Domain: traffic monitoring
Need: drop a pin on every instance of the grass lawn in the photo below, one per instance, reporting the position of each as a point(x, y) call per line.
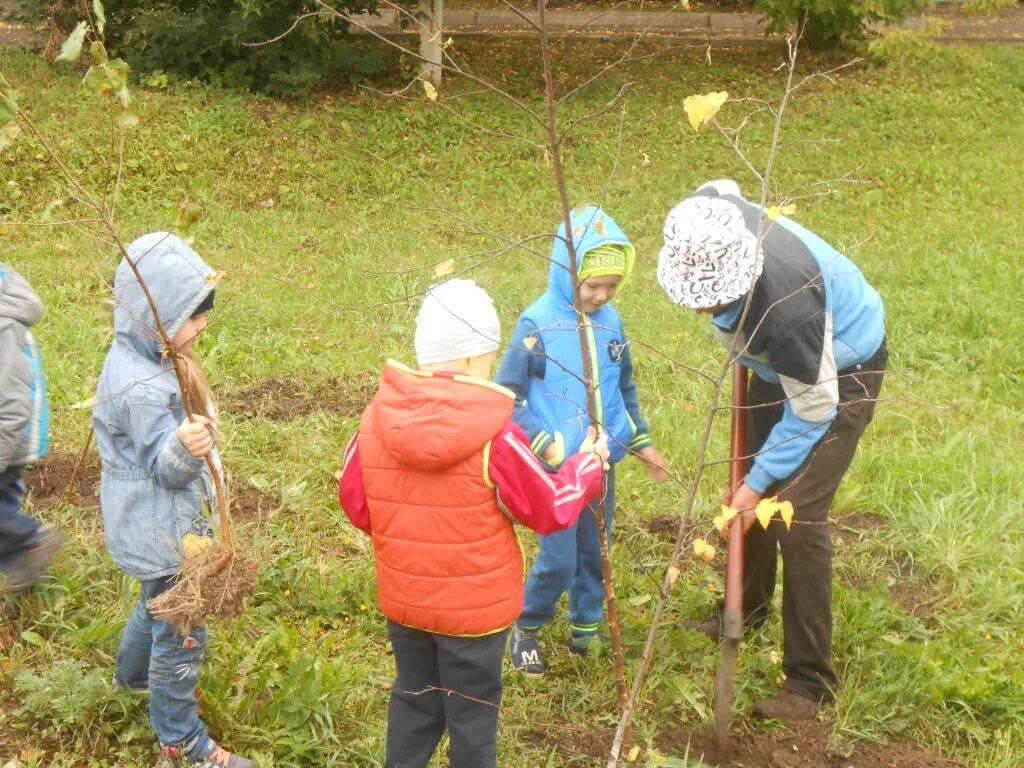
point(326, 216)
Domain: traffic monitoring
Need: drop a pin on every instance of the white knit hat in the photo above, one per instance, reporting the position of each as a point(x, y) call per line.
point(709, 257)
point(457, 320)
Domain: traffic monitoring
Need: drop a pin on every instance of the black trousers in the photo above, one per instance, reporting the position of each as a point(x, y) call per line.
point(444, 682)
point(807, 547)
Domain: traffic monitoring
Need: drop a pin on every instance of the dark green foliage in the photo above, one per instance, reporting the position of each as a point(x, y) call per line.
point(213, 41)
point(831, 22)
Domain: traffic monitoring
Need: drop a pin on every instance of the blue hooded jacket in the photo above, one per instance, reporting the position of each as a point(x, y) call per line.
point(150, 485)
point(543, 364)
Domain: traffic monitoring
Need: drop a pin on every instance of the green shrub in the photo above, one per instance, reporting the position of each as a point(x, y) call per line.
point(216, 41)
point(830, 22)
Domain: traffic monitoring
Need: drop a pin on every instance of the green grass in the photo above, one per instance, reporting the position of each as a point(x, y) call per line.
point(369, 191)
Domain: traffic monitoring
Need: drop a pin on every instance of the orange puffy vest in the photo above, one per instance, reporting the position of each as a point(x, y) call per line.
point(448, 559)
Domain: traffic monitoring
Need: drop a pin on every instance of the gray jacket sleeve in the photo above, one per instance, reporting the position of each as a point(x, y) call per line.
point(15, 382)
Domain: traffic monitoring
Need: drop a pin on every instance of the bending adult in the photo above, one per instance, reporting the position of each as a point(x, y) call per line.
point(814, 339)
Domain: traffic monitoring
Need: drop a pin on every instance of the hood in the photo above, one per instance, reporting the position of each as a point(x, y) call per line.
point(591, 227)
point(18, 302)
point(431, 421)
point(177, 278)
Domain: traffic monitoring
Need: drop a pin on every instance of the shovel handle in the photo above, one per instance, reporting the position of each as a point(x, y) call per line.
point(737, 471)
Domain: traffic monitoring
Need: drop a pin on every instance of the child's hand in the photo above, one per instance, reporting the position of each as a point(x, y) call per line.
point(656, 465)
point(596, 444)
point(196, 436)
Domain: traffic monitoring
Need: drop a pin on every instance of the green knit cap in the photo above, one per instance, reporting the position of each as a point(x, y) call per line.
point(603, 261)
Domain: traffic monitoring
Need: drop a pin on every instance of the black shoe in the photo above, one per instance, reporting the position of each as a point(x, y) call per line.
point(786, 705)
point(525, 652)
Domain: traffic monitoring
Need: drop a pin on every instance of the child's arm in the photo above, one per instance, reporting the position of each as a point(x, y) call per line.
point(15, 408)
point(642, 445)
point(351, 493)
point(539, 499)
point(524, 360)
point(153, 431)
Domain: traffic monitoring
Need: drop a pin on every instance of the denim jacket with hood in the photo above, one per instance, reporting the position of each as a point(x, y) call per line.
point(543, 363)
point(24, 412)
point(151, 486)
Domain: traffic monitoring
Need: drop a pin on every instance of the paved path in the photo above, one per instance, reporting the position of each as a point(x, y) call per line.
point(1007, 27)
point(697, 26)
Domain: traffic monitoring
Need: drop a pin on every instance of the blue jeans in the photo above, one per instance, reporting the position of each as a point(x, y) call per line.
point(570, 560)
point(153, 655)
point(17, 531)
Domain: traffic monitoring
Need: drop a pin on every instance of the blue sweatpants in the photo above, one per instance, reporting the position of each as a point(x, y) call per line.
point(570, 560)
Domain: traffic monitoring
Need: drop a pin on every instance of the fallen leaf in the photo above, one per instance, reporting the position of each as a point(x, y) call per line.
point(444, 268)
point(634, 753)
point(430, 90)
point(673, 574)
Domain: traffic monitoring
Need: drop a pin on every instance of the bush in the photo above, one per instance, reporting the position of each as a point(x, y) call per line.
point(831, 22)
point(213, 41)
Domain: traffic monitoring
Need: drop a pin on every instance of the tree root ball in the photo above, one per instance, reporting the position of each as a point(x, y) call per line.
point(212, 583)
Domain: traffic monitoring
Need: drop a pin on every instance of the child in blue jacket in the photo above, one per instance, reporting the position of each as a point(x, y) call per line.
point(543, 366)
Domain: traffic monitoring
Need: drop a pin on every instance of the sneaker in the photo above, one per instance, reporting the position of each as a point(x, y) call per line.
point(174, 757)
point(525, 651)
point(786, 705)
point(580, 645)
point(28, 567)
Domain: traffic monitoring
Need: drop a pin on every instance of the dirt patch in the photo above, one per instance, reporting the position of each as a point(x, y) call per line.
point(907, 591)
point(284, 399)
point(248, 503)
point(47, 481)
point(800, 745)
point(663, 526)
point(856, 522)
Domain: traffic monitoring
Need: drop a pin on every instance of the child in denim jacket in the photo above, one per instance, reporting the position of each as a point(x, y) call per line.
point(153, 479)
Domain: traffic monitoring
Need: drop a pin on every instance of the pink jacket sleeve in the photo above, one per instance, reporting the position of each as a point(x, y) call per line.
point(351, 494)
point(527, 492)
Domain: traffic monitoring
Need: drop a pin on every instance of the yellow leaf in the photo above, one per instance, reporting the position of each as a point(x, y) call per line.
point(530, 342)
point(634, 753)
point(719, 522)
point(444, 268)
point(728, 513)
point(789, 210)
point(703, 550)
point(786, 513)
point(765, 511)
point(673, 574)
point(709, 553)
point(430, 90)
point(773, 212)
point(701, 109)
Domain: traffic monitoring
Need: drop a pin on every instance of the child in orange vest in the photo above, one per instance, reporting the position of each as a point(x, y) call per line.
point(437, 474)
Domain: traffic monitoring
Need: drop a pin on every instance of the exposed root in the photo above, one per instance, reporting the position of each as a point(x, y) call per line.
point(214, 583)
